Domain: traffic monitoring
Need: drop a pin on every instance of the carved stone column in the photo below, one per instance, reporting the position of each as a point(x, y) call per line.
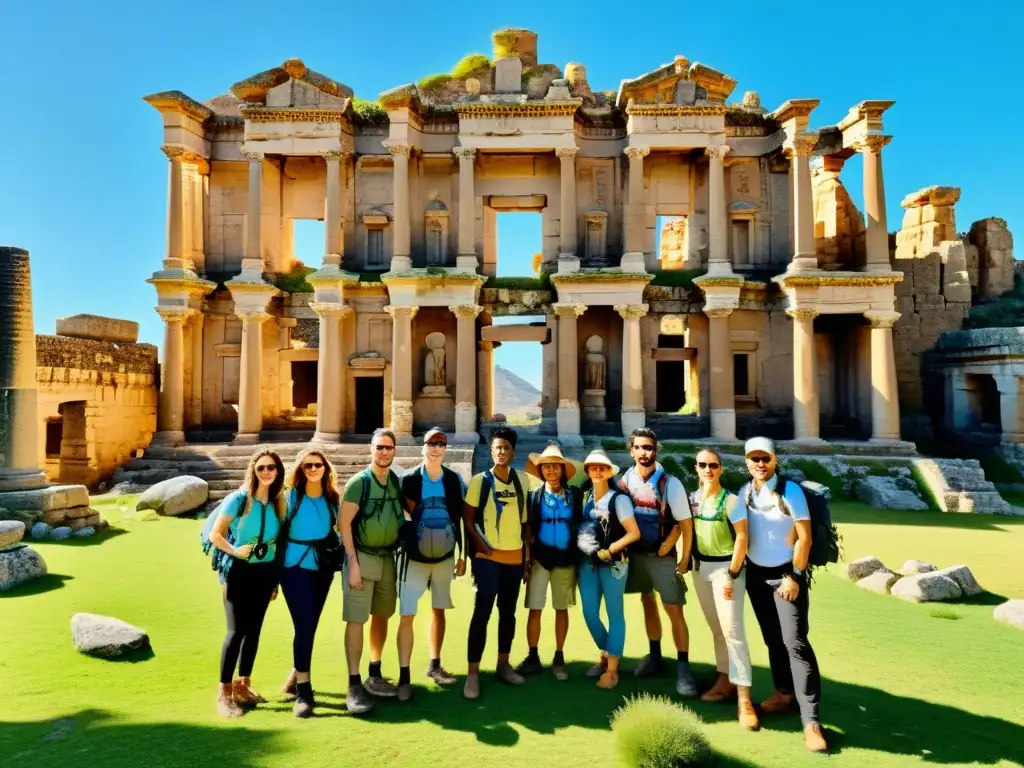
point(401, 369)
point(885, 406)
point(330, 381)
point(804, 256)
point(250, 383)
point(465, 382)
point(567, 225)
point(718, 225)
point(1011, 414)
point(401, 259)
point(466, 258)
point(876, 238)
point(252, 260)
point(334, 244)
point(633, 413)
point(722, 393)
point(176, 258)
point(568, 414)
point(196, 398)
point(171, 413)
point(485, 379)
point(806, 407)
point(636, 208)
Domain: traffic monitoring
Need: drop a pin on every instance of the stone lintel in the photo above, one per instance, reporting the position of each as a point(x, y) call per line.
point(503, 333)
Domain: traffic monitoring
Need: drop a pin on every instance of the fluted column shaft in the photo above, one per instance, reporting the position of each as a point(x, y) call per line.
point(806, 408)
point(400, 159)
point(250, 384)
point(718, 243)
point(253, 253)
point(876, 236)
point(634, 234)
point(805, 254)
point(467, 204)
point(885, 406)
point(171, 415)
point(465, 382)
point(333, 232)
point(330, 382)
point(722, 392)
point(567, 225)
point(401, 368)
point(633, 413)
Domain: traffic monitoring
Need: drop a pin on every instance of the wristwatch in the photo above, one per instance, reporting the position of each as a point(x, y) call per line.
point(737, 574)
point(797, 574)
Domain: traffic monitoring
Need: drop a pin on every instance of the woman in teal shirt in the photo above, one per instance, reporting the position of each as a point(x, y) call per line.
point(246, 528)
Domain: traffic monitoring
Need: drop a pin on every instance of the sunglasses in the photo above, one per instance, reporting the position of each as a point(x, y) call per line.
point(383, 448)
point(760, 459)
point(437, 444)
point(309, 466)
point(708, 465)
point(266, 468)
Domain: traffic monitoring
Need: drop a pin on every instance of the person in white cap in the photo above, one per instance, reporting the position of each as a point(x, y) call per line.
point(780, 545)
point(607, 530)
point(431, 555)
point(553, 517)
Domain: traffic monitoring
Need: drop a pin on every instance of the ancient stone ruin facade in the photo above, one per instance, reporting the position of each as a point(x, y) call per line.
point(789, 329)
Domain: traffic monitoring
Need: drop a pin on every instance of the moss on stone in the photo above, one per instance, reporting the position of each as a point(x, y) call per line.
point(369, 112)
point(677, 278)
point(295, 281)
point(433, 82)
point(541, 282)
point(738, 116)
point(469, 65)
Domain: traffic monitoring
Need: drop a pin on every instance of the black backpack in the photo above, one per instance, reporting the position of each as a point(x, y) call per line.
point(419, 531)
point(825, 537)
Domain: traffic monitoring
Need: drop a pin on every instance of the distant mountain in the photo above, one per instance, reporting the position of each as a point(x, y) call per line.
point(514, 395)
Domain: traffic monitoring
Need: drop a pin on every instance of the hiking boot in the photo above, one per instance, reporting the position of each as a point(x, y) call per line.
point(814, 740)
point(358, 700)
point(226, 706)
point(649, 666)
point(404, 691)
point(245, 696)
point(686, 686)
point(288, 690)
point(378, 686)
point(560, 672)
point(721, 691)
point(747, 716)
point(303, 708)
point(608, 680)
point(598, 669)
point(472, 688)
point(441, 676)
point(530, 666)
point(778, 703)
point(506, 674)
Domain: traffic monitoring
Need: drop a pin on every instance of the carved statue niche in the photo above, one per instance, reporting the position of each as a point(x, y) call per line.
point(594, 380)
point(436, 223)
point(434, 376)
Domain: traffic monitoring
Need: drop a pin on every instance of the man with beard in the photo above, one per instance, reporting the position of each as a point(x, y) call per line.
point(662, 512)
point(371, 518)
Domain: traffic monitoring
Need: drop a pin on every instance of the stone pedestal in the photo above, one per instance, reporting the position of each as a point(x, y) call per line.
point(433, 409)
point(593, 405)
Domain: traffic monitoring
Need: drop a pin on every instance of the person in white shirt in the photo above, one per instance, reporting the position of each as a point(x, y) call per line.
point(780, 545)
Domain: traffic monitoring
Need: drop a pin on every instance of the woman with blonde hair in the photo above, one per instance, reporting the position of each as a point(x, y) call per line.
point(246, 529)
point(312, 555)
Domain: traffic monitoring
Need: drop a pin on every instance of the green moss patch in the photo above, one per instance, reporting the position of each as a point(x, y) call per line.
point(677, 278)
point(295, 280)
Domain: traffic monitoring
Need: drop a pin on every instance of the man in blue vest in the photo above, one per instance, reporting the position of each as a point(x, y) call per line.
point(432, 554)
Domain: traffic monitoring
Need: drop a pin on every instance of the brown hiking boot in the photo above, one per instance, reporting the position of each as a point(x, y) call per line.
point(778, 703)
point(721, 691)
point(288, 690)
point(747, 716)
point(243, 695)
point(226, 706)
point(813, 738)
point(608, 680)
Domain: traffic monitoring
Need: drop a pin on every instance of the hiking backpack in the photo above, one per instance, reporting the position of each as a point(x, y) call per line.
point(221, 561)
point(826, 540)
point(433, 534)
point(363, 516)
point(653, 529)
point(595, 535)
point(547, 555)
point(486, 486)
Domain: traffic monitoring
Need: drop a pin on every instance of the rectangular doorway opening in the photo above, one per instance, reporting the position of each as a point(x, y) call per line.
point(304, 383)
point(519, 375)
point(308, 241)
point(519, 244)
point(54, 435)
point(671, 376)
point(670, 241)
point(369, 403)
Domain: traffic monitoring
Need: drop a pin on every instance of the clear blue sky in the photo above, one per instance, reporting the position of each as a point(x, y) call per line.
point(83, 181)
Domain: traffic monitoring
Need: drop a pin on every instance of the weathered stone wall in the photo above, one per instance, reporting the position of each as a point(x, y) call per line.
point(104, 393)
point(996, 265)
point(673, 244)
point(838, 224)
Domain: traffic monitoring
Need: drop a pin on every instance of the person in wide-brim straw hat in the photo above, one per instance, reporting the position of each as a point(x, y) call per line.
point(554, 510)
point(598, 456)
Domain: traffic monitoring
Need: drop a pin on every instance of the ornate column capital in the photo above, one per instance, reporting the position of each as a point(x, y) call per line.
point(802, 314)
point(396, 150)
point(333, 155)
point(717, 153)
point(466, 311)
point(197, 318)
point(569, 153)
point(254, 157)
point(718, 311)
point(872, 144)
point(636, 153)
point(172, 152)
point(569, 310)
point(804, 144)
point(397, 312)
point(174, 314)
point(464, 153)
point(257, 316)
point(330, 309)
point(631, 311)
point(882, 318)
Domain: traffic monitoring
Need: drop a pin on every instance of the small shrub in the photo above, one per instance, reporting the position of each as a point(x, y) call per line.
point(678, 278)
point(431, 82)
point(542, 282)
point(369, 112)
point(944, 613)
point(295, 280)
point(470, 64)
point(654, 732)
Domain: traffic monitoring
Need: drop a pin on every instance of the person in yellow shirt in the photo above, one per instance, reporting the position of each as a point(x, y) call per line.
point(495, 514)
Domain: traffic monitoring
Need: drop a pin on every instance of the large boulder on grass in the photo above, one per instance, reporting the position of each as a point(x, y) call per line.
point(11, 532)
point(175, 496)
point(106, 636)
point(18, 565)
point(962, 575)
point(883, 492)
point(880, 581)
point(1011, 612)
point(914, 567)
point(927, 588)
point(863, 566)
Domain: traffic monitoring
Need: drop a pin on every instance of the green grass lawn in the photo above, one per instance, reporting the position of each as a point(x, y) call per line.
point(904, 684)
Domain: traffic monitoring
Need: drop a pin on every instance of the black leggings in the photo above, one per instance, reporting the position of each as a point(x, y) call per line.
point(784, 627)
point(493, 581)
point(305, 592)
point(246, 598)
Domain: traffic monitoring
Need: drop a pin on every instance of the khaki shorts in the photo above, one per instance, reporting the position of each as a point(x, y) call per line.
point(415, 579)
point(377, 597)
point(652, 573)
point(563, 587)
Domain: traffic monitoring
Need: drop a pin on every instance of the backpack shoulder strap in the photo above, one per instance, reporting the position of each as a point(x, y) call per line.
point(663, 492)
point(520, 499)
point(486, 484)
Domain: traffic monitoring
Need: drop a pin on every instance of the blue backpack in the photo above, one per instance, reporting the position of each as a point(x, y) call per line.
point(434, 533)
point(221, 561)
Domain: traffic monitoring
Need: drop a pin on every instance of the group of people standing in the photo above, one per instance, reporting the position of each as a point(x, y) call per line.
point(614, 533)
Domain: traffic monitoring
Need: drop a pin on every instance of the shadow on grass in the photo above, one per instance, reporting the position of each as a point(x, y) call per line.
point(43, 584)
point(100, 537)
point(95, 737)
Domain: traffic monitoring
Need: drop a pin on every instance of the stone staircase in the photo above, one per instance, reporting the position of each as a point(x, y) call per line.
point(222, 466)
point(959, 485)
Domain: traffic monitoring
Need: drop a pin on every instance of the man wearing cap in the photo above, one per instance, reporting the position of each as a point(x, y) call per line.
point(553, 517)
point(662, 510)
point(779, 523)
point(433, 497)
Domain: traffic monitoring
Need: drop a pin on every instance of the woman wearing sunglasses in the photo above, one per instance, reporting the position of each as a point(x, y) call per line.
point(313, 519)
point(719, 549)
point(247, 528)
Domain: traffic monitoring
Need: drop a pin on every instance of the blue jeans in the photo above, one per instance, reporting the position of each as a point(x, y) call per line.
point(608, 581)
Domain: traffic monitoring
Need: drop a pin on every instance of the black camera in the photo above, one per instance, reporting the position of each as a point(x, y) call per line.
point(259, 551)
